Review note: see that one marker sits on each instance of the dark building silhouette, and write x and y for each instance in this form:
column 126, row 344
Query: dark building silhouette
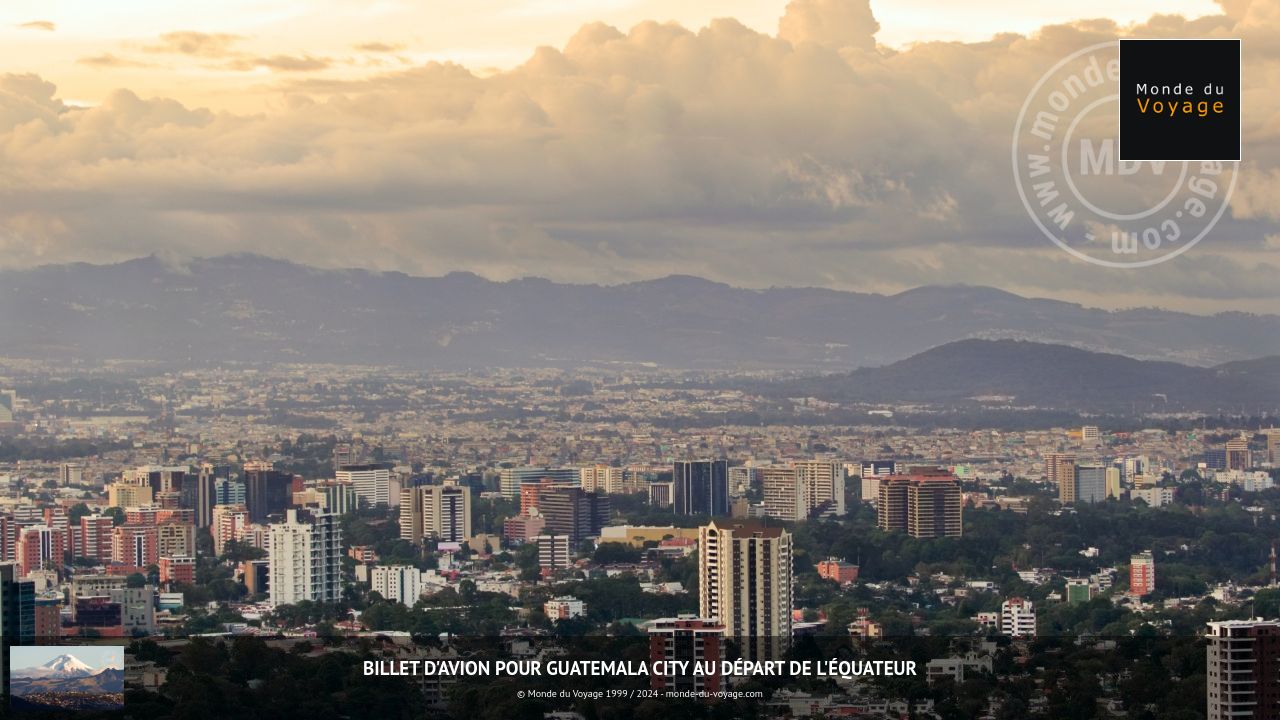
column 701, row 487
column 573, row 512
column 267, row 491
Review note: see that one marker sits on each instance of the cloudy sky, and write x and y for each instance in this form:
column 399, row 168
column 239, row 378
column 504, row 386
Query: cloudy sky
column 829, row 143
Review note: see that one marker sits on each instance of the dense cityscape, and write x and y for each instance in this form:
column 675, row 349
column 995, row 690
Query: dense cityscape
column 304, row 507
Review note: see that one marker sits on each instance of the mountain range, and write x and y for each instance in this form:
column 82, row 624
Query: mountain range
column 252, row 308
column 66, row 674
column 989, row 373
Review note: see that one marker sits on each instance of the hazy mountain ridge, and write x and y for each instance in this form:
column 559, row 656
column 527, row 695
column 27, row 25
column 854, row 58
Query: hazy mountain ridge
column 107, row 680
column 976, row 372
column 246, row 307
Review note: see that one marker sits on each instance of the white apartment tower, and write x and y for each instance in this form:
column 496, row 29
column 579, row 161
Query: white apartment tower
column 745, row 582
column 305, row 559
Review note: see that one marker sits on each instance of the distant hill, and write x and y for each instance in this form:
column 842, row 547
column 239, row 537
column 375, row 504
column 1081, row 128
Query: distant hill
column 976, row 372
column 250, row 308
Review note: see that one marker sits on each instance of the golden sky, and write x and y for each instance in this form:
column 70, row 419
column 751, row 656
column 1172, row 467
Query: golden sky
column 231, row 54
column 818, row 142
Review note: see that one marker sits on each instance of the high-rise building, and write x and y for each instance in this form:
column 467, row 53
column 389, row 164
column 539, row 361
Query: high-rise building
column 601, row 478
column 925, row 504
column 511, row 480
column 785, row 494
column 329, row 496
column 230, row 522
column 1142, row 574
column 175, row 539
column 1018, row 618
column 662, row 494
column 744, row 584
column 692, row 640
column 371, row 482
column 1242, row 672
column 1238, row 454
column 802, row 490
column 573, row 512
column 398, row 583
column 441, row 511
column 206, row 496
column 135, row 546
column 40, row 546
column 160, row 478
column 554, row 553
column 1060, row 472
column 17, row 615
column 267, row 491
column 95, row 537
column 701, row 487
column 70, row 474
column 305, row 559
column 1091, row 483
column 1273, row 445
column 123, row 494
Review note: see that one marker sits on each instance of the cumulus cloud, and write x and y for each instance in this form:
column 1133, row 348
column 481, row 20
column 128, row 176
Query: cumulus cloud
column 43, row 25
column 283, row 63
column 807, row 157
column 199, row 44
column 108, row 60
column 379, row 47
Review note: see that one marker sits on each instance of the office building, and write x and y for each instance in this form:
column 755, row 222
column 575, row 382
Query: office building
column 176, row 539
column 17, row 615
column 268, row 492
column 208, row 480
column 122, row 495
column 661, row 494
column 398, row 583
column 690, row 639
column 70, row 474
column 1060, row 473
column 1142, row 574
column 510, row 480
column 1242, row 672
column 701, row 487
column 745, row 584
column 371, row 482
column 1237, row 454
column 838, row 570
column 1091, row 483
column 305, row 559
column 1090, row 435
column 573, row 512
column 925, row 504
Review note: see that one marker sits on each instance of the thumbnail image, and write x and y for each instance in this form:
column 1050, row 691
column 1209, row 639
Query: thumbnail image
column 61, row 678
